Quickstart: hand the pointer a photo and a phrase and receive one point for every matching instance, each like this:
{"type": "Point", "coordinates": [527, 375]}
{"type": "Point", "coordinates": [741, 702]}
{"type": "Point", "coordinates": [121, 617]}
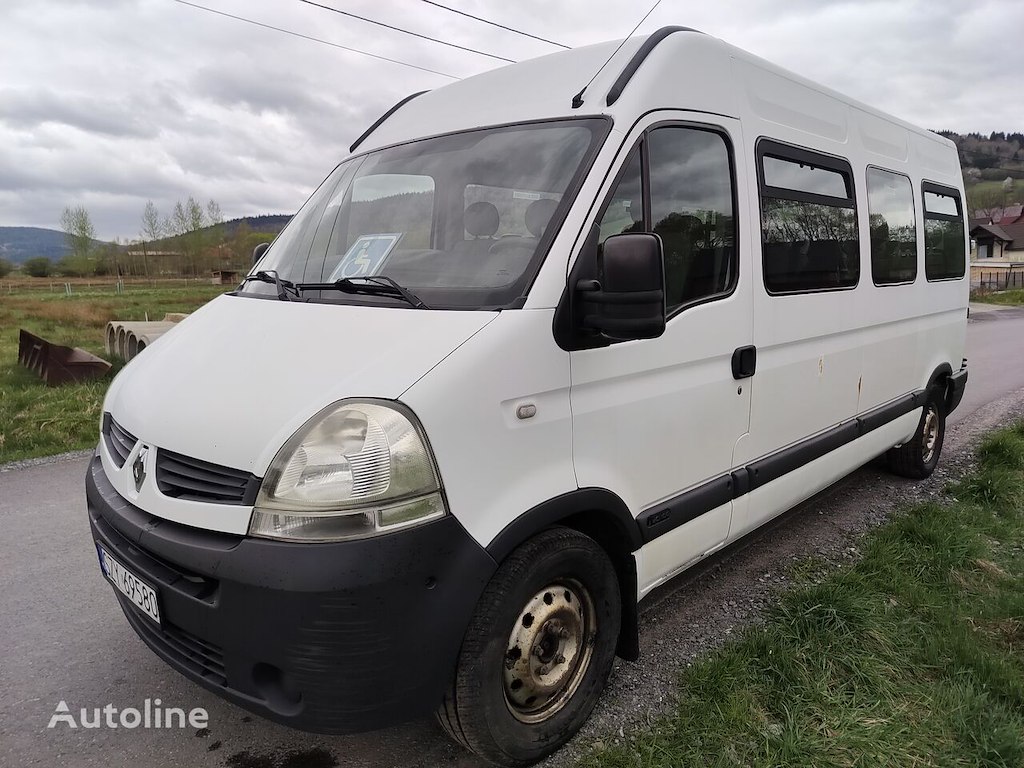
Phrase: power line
{"type": "Point", "coordinates": [406, 31]}
{"type": "Point", "coordinates": [316, 39]}
{"type": "Point", "coordinates": [496, 24]}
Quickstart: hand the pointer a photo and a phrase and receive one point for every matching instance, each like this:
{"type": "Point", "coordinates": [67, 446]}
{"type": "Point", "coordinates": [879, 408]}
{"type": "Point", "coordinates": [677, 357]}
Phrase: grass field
{"type": "Point", "coordinates": [36, 420]}
{"type": "Point", "coordinates": [1013, 298]}
{"type": "Point", "coordinates": [912, 657]}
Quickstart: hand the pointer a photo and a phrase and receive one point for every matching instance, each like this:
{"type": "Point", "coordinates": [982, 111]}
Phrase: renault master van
{"type": "Point", "coordinates": [546, 338]}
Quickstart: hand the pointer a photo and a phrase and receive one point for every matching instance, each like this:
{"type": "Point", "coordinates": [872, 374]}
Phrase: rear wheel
{"type": "Point", "coordinates": [918, 457]}
{"type": "Point", "coordinates": [538, 650]}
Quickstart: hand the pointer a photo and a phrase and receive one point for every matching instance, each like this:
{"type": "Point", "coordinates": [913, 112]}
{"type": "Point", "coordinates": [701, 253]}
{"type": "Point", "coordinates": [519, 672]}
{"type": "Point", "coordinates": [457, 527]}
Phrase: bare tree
{"type": "Point", "coordinates": [153, 228]}
{"type": "Point", "coordinates": [190, 223]}
{"type": "Point", "coordinates": [213, 214]}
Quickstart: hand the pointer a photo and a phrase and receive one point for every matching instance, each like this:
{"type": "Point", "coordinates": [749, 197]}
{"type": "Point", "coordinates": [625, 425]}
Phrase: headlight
{"type": "Point", "coordinates": [358, 468]}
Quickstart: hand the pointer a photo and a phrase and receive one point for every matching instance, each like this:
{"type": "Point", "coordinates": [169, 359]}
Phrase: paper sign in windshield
{"type": "Point", "coordinates": [365, 257]}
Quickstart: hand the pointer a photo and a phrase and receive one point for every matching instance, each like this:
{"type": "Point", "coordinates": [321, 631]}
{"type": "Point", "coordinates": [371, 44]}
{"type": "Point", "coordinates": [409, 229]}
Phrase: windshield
{"type": "Point", "coordinates": [463, 221]}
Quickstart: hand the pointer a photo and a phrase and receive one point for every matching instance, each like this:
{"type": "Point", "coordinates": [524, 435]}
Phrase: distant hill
{"type": "Point", "coordinates": [20, 243]}
{"type": "Point", "coordinates": [267, 224]}
{"type": "Point", "coordinates": [989, 158]}
{"type": "Point", "coordinates": [272, 223]}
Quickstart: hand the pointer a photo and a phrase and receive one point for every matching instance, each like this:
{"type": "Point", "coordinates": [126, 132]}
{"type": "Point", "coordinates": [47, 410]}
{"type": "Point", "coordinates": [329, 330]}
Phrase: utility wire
{"type": "Point", "coordinates": [496, 24]}
{"type": "Point", "coordinates": [406, 31]}
{"type": "Point", "coordinates": [316, 39]}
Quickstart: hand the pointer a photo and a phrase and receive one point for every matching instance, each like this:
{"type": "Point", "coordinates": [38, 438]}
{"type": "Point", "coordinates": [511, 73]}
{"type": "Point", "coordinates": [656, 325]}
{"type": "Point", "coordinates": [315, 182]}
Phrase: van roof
{"type": "Point", "coordinates": [675, 67]}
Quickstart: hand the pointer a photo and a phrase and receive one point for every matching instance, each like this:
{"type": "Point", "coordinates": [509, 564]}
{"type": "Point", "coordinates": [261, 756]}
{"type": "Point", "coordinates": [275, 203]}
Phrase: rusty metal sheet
{"type": "Point", "coordinates": [57, 364]}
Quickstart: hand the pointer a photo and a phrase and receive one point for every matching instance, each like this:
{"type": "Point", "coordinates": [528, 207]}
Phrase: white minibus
{"type": "Point", "coordinates": [547, 337]}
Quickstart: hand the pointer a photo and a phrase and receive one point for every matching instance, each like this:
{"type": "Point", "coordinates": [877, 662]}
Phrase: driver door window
{"type": "Point", "coordinates": [690, 182]}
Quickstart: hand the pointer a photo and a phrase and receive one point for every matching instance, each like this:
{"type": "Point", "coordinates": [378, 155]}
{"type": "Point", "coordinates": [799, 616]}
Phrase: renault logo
{"type": "Point", "coordinates": [139, 468]}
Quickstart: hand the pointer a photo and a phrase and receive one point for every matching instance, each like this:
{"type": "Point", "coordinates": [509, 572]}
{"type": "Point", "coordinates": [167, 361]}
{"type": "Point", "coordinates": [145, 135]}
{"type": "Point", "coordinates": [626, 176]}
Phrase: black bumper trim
{"type": "Point", "coordinates": [331, 638]}
{"type": "Point", "coordinates": [957, 385]}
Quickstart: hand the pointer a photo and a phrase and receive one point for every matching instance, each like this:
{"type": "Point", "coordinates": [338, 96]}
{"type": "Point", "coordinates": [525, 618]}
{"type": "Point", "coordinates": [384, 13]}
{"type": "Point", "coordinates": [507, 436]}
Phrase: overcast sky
{"type": "Point", "coordinates": [108, 103]}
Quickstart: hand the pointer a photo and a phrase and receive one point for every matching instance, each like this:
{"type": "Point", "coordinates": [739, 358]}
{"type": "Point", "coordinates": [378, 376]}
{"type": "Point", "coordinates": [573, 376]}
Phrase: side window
{"type": "Point", "coordinates": [624, 210]}
{"type": "Point", "coordinates": [945, 254]}
{"type": "Point", "coordinates": [692, 211]}
{"type": "Point", "coordinates": [808, 220]}
{"type": "Point", "coordinates": [893, 227]}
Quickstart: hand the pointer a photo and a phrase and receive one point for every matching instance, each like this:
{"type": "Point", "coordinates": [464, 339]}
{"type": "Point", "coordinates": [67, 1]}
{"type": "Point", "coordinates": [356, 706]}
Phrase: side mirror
{"type": "Point", "coordinates": [628, 302]}
{"type": "Point", "coordinates": [258, 251]}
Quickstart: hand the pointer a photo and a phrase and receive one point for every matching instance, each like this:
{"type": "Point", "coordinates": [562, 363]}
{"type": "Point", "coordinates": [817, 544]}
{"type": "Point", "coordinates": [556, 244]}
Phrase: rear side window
{"type": "Point", "coordinates": [808, 220]}
{"type": "Point", "coordinates": [893, 227]}
{"type": "Point", "coordinates": [945, 254]}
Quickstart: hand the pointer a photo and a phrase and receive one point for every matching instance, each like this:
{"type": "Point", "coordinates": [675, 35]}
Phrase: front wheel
{"type": "Point", "coordinates": [538, 650]}
{"type": "Point", "coordinates": [918, 457]}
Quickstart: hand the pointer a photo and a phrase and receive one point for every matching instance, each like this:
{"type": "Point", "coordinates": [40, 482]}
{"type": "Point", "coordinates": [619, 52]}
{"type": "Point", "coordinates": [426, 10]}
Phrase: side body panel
{"type": "Point", "coordinates": [494, 465]}
{"type": "Point", "coordinates": [824, 357]}
{"type": "Point", "coordinates": [653, 418]}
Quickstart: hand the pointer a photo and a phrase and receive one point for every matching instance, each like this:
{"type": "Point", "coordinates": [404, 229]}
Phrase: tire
{"type": "Point", "coordinates": [512, 705]}
{"type": "Point", "coordinates": [918, 457]}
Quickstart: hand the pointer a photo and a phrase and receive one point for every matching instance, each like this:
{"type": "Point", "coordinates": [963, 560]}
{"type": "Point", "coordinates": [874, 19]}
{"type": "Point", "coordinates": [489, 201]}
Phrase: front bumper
{"type": "Point", "coordinates": [332, 638]}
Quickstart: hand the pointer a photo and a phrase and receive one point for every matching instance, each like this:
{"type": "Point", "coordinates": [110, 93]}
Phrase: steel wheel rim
{"type": "Point", "coordinates": [930, 434]}
{"type": "Point", "coordinates": [549, 651]}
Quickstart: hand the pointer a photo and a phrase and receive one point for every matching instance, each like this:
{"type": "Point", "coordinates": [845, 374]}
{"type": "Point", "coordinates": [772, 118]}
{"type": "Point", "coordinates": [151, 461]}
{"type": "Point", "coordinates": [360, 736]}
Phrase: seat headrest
{"type": "Point", "coordinates": [538, 214]}
{"type": "Point", "coordinates": [481, 219]}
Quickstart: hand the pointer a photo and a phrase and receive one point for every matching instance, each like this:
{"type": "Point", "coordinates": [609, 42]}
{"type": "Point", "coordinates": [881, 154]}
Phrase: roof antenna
{"type": "Point", "coordinates": [577, 100]}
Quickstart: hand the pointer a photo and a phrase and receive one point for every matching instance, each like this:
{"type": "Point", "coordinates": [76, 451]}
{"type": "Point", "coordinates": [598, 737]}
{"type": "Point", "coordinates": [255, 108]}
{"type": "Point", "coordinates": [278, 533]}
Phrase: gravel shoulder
{"type": "Point", "coordinates": [706, 605]}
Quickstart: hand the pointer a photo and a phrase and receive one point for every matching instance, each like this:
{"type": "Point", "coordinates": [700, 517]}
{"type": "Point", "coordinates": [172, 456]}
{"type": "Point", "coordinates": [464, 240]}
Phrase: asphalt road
{"type": "Point", "coordinates": [63, 638]}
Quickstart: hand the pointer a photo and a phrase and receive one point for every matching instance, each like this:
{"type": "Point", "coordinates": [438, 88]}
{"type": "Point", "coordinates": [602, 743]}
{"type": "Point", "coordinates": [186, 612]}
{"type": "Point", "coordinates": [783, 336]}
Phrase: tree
{"type": "Point", "coordinates": [191, 225]}
{"type": "Point", "coordinates": [153, 228]}
{"type": "Point", "coordinates": [39, 266]}
{"type": "Point", "coordinates": [213, 214]}
{"type": "Point", "coordinates": [78, 229]}
{"type": "Point", "coordinates": [5, 267]}
{"type": "Point", "coordinates": [988, 200]}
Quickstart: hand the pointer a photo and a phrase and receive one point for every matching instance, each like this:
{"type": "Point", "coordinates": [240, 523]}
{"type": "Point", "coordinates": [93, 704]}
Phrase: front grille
{"type": "Point", "coordinates": [197, 655]}
{"type": "Point", "coordinates": [183, 477]}
{"type": "Point", "coordinates": [119, 441]}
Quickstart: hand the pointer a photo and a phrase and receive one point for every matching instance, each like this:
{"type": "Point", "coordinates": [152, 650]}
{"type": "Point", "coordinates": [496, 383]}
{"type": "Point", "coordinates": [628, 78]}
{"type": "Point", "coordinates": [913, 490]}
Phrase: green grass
{"type": "Point", "coordinates": [990, 185]}
{"type": "Point", "coordinates": [1013, 297]}
{"type": "Point", "coordinates": [36, 420]}
{"type": "Point", "coordinates": [913, 656]}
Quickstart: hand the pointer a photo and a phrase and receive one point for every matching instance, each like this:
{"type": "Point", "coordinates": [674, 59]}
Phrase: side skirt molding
{"type": "Point", "coordinates": [691, 504]}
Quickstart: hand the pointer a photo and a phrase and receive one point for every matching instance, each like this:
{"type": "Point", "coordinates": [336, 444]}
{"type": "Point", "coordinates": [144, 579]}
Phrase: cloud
{"type": "Point", "coordinates": [109, 104]}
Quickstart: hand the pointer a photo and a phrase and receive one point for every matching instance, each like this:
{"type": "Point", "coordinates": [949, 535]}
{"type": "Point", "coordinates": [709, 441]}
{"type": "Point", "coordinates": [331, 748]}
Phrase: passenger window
{"type": "Point", "coordinates": [945, 254]}
{"type": "Point", "coordinates": [624, 211]}
{"type": "Point", "coordinates": [808, 221]}
{"type": "Point", "coordinates": [893, 227]}
{"type": "Point", "coordinates": [692, 211]}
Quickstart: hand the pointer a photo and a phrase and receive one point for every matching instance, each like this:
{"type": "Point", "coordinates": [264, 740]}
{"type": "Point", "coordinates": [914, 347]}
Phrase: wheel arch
{"type": "Point", "coordinates": [605, 518]}
{"type": "Point", "coordinates": [942, 378]}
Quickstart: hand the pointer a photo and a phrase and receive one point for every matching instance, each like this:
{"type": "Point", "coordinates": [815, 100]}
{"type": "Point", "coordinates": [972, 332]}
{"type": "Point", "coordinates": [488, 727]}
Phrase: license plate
{"type": "Point", "coordinates": [130, 585]}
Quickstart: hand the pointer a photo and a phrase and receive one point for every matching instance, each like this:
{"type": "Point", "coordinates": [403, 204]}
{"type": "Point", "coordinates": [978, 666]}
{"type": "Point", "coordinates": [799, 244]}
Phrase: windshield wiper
{"type": "Point", "coordinates": [372, 285]}
{"type": "Point", "coordinates": [283, 286]}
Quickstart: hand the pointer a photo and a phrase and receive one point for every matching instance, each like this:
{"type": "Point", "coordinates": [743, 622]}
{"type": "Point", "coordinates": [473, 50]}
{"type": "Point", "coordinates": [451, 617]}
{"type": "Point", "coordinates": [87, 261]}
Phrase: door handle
{"type": "Point", "coordinates": [744, 362]}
